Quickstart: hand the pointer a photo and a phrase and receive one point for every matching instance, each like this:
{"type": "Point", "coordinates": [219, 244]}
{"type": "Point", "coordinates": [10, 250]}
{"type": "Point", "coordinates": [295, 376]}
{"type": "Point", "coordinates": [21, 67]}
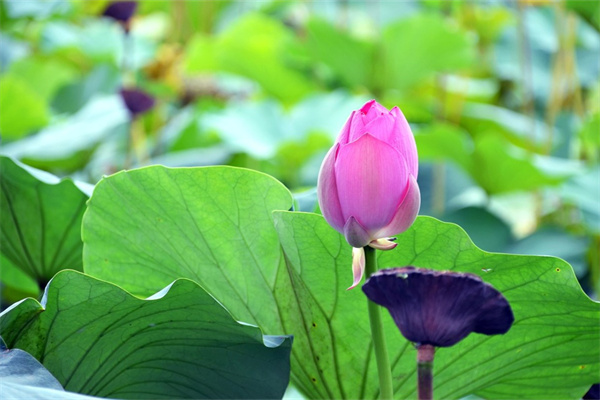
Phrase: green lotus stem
{"type": "Point", "coordinates": [425, 355]}
{"type": "Point", "coordinates": [386, 389]}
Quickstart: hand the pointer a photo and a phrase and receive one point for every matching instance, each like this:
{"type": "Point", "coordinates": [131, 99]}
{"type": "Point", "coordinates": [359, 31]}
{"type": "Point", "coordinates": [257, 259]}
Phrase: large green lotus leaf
{"type": "Point", "coordinates": [498, 170]}
{"type": "Point", "coordinates": [45, 76]}
{"type": "Point", "coordinates": [441, 47]}
{"type": "Point", "coordinates": [103, 79]}
{"type": "Point", "coordinates": [97, 339]}
{"type": "Point", "coordinates": [518, 129]}
{"type": "Point", "coordinates": [557, 242]}
{"type": "Point", "coordinates": [16, 283]}
{"type": "Point", "coordinates": [551, 351]}
{"type": "Point", "coordinates": [146, 227]}
{"type": "Point", "coordinates": [63, 146]}
{"type": "Point", "coordinates": [23, 110]}
{"type": "Point", "coordinates": [494, 164]}
{"type": "Point", "coordinates": [439, 142]}
{"type": "Point", "coordinates": [41, 220]}
{"type": "Point", "coordinates": [485, 229]}
{"type": "Point", "coordinates": [254, 47]}
{"type": "Point", "coordinates": [38, 9]}
{"type": "Point", "coordinates": [351, 59]}
{"type": "Point", "coordinates": [100, 39]}
{"type": "Point", "coordinates": [210, 224]}
{"type": "Point", "coordinates": [260, 129]}
{"type": "Point", "coordinates": [176, 222]}
{"type": "Point", "coordinates": [213, 225]}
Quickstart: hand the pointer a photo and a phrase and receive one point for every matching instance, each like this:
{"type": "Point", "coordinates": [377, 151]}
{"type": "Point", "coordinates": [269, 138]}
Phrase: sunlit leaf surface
{"type": "Point", "coordinates": [41, 220]}
{"type": "Point", "coordinates": [23, 110]}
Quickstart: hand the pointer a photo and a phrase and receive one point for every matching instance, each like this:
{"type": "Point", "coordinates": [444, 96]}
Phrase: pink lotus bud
{"type": "Point", "coordinates": [368, 181]}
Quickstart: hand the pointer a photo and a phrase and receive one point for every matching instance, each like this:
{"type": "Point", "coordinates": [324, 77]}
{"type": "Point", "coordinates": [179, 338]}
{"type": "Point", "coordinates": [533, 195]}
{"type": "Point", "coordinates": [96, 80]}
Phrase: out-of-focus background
{"type": "Point", "coordinates": [503, 98]}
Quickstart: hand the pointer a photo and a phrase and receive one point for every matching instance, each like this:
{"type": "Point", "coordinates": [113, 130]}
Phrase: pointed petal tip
{"type": "Point", "coordinates": [356, 235]}
{"type": "Point", "coordinates": [358, 265]}
{"type": "Point", "coordinates": [383, 244]}
{"type": "Point", "coordinates": [365, 108]}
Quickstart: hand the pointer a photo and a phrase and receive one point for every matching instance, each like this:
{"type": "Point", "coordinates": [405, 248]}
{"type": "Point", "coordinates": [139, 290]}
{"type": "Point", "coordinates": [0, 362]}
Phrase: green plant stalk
{"type": "Point", "coordinates": [425, 354]}
{"type": "Point", "coordinates": [386, 389]}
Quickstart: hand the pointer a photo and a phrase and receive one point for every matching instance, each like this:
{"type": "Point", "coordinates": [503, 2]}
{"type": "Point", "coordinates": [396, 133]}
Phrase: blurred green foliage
{"type": "Point", "coordinates": [23, 109]}
{"type": "Point", "coordinates": [503, 98]}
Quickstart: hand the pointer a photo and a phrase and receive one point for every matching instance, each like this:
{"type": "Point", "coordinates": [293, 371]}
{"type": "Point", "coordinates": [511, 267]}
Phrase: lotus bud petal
{"type": "Point", "coordinates": [358, 265]}
{"type": "Point", "coordinates": [367, 185]}
{"type": "Point", "coordinates": [383, 244]}
{"type": "Point", "coordinates": [355, 234]}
